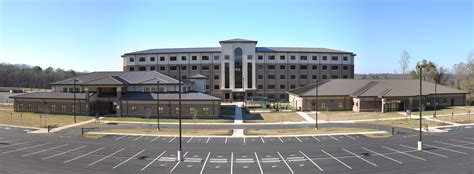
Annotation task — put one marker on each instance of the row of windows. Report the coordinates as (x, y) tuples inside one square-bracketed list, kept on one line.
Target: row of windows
[(226, 57), (40, 108), (324, 58), (147, 110), (301, 77), (304, 67), (163, 68)]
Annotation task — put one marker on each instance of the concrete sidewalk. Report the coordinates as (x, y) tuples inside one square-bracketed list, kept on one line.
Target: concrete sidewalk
[(238, 119), (43, 130)]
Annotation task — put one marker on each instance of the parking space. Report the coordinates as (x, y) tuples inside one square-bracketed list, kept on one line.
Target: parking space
[(245, 163)]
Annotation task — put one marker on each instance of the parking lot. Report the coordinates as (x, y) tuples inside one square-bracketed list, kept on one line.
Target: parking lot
[(344, 159)]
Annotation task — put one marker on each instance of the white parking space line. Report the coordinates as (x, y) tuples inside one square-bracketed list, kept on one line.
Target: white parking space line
[(137, 138), (363, 159), (208, 138), (205, 162), (177, 163), (171, 139), (454, 145), (12, 140), (231, 162), (404, 153), (128, 159), (446, 149), (225, 142), (189, 140), (316, 139), (311, 161), (334, 138), (120, 137), (298, 139), (44, 150), (469, 138), (83, 155), (466, 142), (153, 161), (244, 140), (24, 148), (63, 153), (336, 159), (106, 157), (263, 141), (425, 151), (382, 155), (280, 140), (17, 144), (154, 138), (283, 159), (258, 162), (350, 137)]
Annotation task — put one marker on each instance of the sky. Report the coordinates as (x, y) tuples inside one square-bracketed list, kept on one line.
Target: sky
[(91, 35)]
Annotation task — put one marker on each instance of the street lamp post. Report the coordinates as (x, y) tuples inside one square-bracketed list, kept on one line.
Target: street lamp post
[(179, 115), (74, 106), (158, 105), (316, 103), (435, 99), (420, 142)]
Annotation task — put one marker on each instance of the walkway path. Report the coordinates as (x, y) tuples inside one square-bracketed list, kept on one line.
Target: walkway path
[(306, 117), (238, 119), (64, 127)]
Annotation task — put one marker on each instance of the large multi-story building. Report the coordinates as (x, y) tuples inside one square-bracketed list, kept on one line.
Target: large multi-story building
[(239, 69)]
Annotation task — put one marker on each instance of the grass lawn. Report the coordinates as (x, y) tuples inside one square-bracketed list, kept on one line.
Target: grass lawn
[(193, 132), (351, 115), (448, 110), (271, 117), (407, 123), (169, 120), (302, 131), (457, 118), (30, 119)]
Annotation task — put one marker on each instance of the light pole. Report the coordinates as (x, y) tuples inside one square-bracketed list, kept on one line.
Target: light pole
[(435, 100), (158, 105), (316, 103), (179, 115), (420, 142), (74, 106)]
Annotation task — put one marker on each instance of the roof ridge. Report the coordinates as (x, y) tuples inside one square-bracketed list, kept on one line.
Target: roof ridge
[(365, 88)]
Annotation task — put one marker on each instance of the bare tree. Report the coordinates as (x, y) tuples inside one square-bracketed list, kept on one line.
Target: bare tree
[(465, 76), (404, 63)]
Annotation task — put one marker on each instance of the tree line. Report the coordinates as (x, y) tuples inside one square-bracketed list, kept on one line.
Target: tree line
[(26, 76)]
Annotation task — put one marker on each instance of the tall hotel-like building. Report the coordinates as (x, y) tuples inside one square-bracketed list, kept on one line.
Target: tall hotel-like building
[(239, 69)]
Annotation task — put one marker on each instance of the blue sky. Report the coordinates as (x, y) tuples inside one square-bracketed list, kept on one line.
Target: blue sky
[(92, 34)]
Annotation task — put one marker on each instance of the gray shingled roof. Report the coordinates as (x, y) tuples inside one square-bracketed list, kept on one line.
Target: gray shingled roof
[(50, 95), (195, 96), (373, 88), (120, 78), (238, 40)]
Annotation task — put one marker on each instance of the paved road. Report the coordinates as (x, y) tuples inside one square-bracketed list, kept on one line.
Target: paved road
[(451, 152)]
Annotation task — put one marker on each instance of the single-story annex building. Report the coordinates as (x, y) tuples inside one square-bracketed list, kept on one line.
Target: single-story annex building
[(123, 94), (363, 95)]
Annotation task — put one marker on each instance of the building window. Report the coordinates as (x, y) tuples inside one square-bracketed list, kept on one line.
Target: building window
[(194, 67), (63, 108), (260, 86), (216, 57), (292, 67), (303, 77), (142, 68), (173, 68), (184, 67), (205, 67), (192, 111), (160, 110), (64, 89), (271, 86), (131, 68), (53, 107), (345, 58), (142, 59), (226, 57), (205, 57), (249, 75), (162, 68), (314, 77), (271, 76), (30, 108), (344, 68), (315, 57), (216, 67), (282, 96), (227, 95), (216, 86), (39, 108), (315, 67), (260, 76), (173, 58), (282, 57), (282, 86), (323, 105), (260, 57), (325, 77), (226, 75), (193, 57), (325, 57), (334, 77), (344, 76), (131, 59), (73, 108), (259, 66), (183, 58), (271, 66), (249, 57), (334, 58), (205, 111), (152, 59), (162, 58), (177, 110), (340, 105), (325, 67), (303, 67), (271, 57), (282, 66), (216, 77), (134, 110), (292, 77), (292, 86), (334, 67), (152, 68), (292, 57), (303, 57), (282, 77)]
